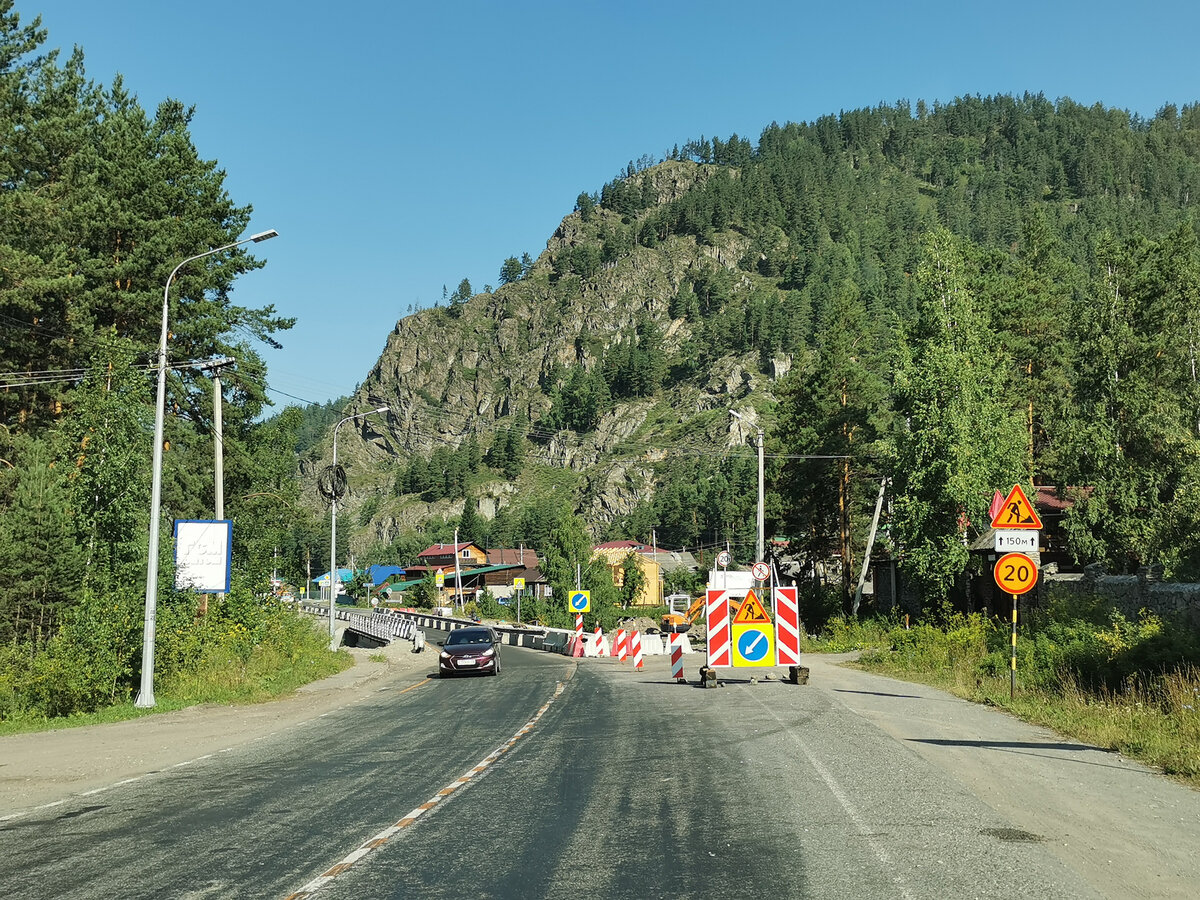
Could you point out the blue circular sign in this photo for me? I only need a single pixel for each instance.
(580, 601)
(753, 645)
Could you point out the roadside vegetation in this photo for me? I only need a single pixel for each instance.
(1083, 669)
(243, 649)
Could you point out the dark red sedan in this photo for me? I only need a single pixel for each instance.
(473, 650)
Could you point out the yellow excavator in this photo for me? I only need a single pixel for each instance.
(676, 621)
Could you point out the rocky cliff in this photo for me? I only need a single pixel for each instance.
(449, 373)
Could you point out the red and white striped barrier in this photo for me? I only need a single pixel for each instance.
(636, 643)
(601, 647)
(787, 627)
(579, 627)
(621, 646)
(720, 635)
(677, 657)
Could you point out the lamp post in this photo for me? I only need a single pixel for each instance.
(145, 697)
(758, 549)
(333, 579)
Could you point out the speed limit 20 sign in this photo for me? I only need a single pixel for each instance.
(1015, 573)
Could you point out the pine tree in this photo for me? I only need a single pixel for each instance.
(469, 523)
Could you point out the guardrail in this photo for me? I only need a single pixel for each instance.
(386, 625)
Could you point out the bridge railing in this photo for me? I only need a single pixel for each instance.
(386, 625)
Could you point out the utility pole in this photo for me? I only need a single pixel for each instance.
(457, 574)
(215, 366)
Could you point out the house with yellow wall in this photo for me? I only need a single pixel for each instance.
(614, 554)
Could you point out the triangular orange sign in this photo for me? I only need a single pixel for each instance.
(1016, 512)
(751, 611)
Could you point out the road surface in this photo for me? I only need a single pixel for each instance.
(565, 777)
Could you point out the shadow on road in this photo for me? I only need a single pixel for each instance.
(1013, 745)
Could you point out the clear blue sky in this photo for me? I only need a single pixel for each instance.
(400, 147)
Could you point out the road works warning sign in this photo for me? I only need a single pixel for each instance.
(1016, 512)
(751, 611)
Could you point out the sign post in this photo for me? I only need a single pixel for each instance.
(1016, 574)
(1017, 524)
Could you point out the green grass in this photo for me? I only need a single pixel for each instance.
(221, 676)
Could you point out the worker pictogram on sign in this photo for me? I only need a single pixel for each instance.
(751, 611)
(1016, 511)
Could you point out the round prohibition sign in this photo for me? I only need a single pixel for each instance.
(1015, 573)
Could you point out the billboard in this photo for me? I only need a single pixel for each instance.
(203, 553)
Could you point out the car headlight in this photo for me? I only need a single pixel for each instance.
(490, 651)
(445, 655)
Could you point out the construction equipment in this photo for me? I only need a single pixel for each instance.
(677, 621)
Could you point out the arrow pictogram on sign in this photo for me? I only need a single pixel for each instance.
(1016, 511)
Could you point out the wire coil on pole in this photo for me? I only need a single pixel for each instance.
(331, 482)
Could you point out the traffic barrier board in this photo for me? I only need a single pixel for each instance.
(716, 620)
(787, 627)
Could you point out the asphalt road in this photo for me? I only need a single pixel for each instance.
(563, 778)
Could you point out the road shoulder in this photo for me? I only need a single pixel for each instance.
(1128, 830)
(43, 768)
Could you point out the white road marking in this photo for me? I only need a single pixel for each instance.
(374, 843)
(846, 803)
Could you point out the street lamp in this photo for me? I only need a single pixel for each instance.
(333, 499)
(758, 550)
(145, 697)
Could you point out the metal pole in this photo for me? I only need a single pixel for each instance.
(219, 444)
(862, 577)
(333, 573)
(332, 550)
(760, 547)
(458, 601)
(145, 697)
(1012, 674)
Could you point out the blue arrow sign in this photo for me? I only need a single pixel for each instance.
(753, 645)
(581, 601)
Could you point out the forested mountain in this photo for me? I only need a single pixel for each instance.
(953, 297)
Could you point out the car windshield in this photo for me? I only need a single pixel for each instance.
(468, 636)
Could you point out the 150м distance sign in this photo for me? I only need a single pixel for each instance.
(1016, 541)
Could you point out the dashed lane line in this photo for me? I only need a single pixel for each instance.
(347, 862)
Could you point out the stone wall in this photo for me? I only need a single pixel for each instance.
(1132, 593)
